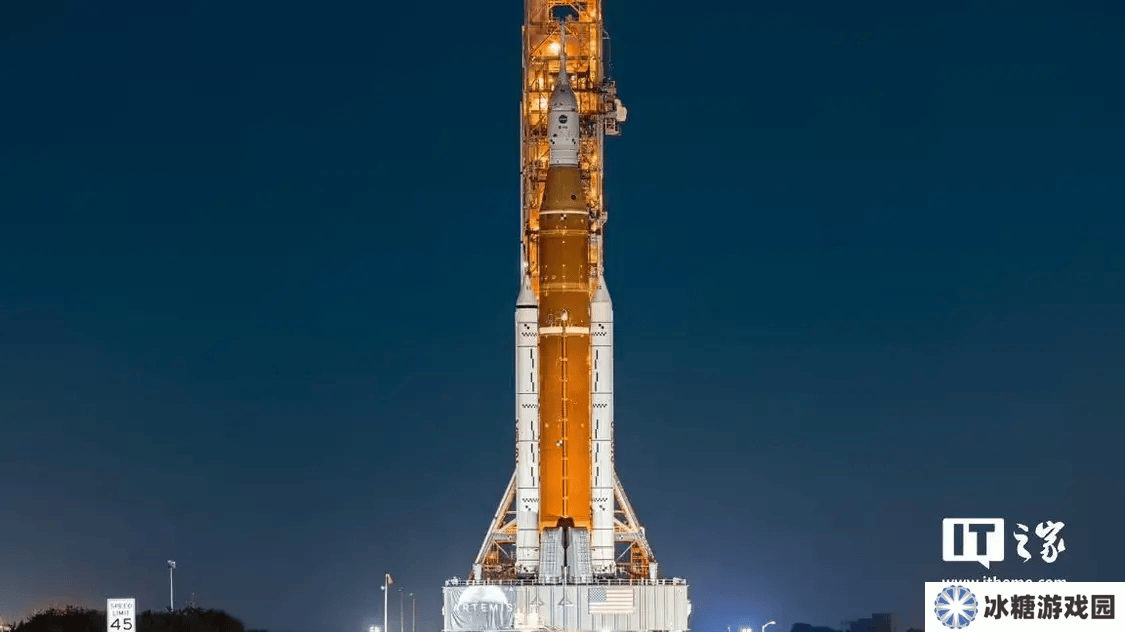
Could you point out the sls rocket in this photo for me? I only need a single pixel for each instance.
(564, 378)
(564, 549)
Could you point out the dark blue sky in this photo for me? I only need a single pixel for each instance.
(258, 265)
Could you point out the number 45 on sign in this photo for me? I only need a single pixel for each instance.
(120, 615)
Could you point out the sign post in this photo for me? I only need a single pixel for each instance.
(120, 615)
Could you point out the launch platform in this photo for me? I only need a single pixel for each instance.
(619, 605)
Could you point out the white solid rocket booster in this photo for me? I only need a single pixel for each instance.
(527, 429)
(601, 402)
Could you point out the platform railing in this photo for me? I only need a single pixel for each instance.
(675, 581)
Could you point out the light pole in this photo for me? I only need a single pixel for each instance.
(768, 625)
(171, 592)
(413, 612)
(387, 581)
(400, 617)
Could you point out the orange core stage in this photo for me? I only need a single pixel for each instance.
(564, 351)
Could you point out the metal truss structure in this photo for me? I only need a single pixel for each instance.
(600, 110)
(496, 559)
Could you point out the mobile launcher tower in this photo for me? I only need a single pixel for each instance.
(565, 551)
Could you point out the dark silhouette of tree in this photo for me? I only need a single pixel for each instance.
(72, 619)
(68, 619)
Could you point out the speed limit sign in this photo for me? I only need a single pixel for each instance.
(120, 615)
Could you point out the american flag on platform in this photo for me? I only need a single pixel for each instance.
(611, 600)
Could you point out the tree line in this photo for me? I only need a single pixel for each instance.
(74, 619)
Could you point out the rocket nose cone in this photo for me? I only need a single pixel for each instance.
(562, 100)
(527, 296)
(602, 293)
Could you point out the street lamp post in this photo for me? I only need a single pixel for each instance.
(386, 591)
(400, 616)
(171, 592)
(768, 625)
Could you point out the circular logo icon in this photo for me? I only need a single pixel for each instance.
(562, 119)
(956, 607)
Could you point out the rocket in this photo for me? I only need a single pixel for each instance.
(564, 517)
(564, 377)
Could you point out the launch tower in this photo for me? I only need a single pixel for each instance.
(565, 550)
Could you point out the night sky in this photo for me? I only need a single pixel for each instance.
(258, 266)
